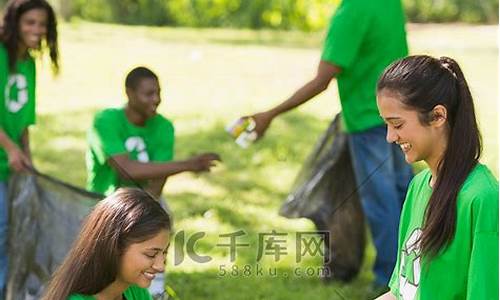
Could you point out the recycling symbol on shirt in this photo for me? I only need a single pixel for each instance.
(136, 143)
(409, 270)
(14, 103)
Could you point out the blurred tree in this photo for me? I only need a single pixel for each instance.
(307, 15)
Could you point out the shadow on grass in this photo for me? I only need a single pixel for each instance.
(59, 144)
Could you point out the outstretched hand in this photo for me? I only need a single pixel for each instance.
(203, 162)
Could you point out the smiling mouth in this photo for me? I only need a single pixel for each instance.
(405, 146)
(148, 275)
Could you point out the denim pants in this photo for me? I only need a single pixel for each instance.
(4, 221)
(382, 177)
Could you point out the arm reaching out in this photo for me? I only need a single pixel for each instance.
(325, 73)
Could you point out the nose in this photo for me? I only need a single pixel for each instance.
(41, 29)
(156, 100)
(159, 263)
(391, 136)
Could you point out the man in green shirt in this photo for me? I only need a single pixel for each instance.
(363, 38)
(134, 144)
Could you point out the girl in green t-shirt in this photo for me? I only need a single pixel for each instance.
(448, 234)
(118, 252)
(28, 27)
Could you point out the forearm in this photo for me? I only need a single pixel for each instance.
(130, 169)
(155, 186)
(5, 141)
(25, 142)
(302, 95)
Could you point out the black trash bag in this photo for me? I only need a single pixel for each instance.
(44, 218)
(325, 192)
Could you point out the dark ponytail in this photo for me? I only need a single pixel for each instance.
(422, 82)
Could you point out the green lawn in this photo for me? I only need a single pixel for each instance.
(210, 77)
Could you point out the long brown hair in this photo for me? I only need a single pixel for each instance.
(10, 30)
(423, 82)
(128, 216)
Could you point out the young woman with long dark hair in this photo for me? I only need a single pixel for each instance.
(120, 249)
(448, 235)
(29, 29)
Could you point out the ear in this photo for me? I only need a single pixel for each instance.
(439, 116)
(129, 92)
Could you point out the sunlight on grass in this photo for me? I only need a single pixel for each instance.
(209, 77)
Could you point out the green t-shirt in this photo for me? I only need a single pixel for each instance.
(363, 38)
(132, 293)
(112, 134)
(17, 102)
(468, 267)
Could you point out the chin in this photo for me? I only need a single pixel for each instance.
(410, 158)
(143, 283)
(35, 46)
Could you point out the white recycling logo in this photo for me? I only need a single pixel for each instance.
(409, 267)
(136, 143)
(14, 105)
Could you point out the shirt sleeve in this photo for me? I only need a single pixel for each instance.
(483, 265)
(104, 138)
(346, 33)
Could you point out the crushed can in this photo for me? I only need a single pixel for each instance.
(243, 131)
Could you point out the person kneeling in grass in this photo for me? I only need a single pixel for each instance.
(448, 234)
(134, 144)
(120, 249)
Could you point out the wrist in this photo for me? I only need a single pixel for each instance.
(188, 165)
(271, 114)
(10, 147)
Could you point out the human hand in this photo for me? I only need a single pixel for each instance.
(262, 122)
(18, 160)
(203, 162)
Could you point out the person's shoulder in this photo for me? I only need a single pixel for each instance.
(135, 292)
(161, 121)
(420, 179)
(480, 186)
(108, 114)
(3, 52)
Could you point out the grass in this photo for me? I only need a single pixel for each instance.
(210, 77)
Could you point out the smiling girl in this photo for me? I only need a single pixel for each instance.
(29, 27)
(448, 234)
(119, 251)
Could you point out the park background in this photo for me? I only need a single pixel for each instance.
(218, 60)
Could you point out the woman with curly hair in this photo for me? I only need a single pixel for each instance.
(29, 28)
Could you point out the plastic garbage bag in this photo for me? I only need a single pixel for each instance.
(325, 192)
(44, 219)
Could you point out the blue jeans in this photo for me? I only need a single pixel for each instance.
(382, 176)
(4, 221)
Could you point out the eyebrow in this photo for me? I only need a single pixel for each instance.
(159, 249)
(392, 118)
(155, 249)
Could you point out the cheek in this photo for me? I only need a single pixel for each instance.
(133, 265)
